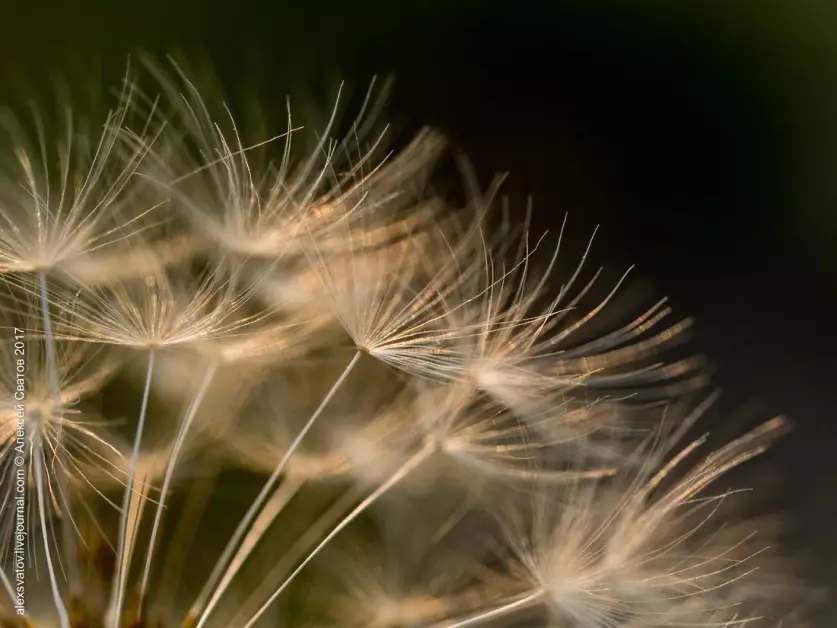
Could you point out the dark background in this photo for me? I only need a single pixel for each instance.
(702, 136)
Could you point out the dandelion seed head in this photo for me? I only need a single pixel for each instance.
(268, 386)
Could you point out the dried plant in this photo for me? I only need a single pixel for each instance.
(311, 392)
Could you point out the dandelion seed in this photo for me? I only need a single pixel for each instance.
(54, 217)
(604, 555)
(55, 440)
(274, 213)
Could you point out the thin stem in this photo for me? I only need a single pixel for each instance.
(7, 587)
(297, 549)
(52, 354)
(68, 532)
(63, 618)
(118, 593)
(280, 498)
(178, 445)
(499, 611)
(182, 540)
(262, 497)
(422, 455)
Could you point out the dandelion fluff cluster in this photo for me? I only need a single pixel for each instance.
(310, 391)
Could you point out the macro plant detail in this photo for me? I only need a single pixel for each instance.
(287, 383)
